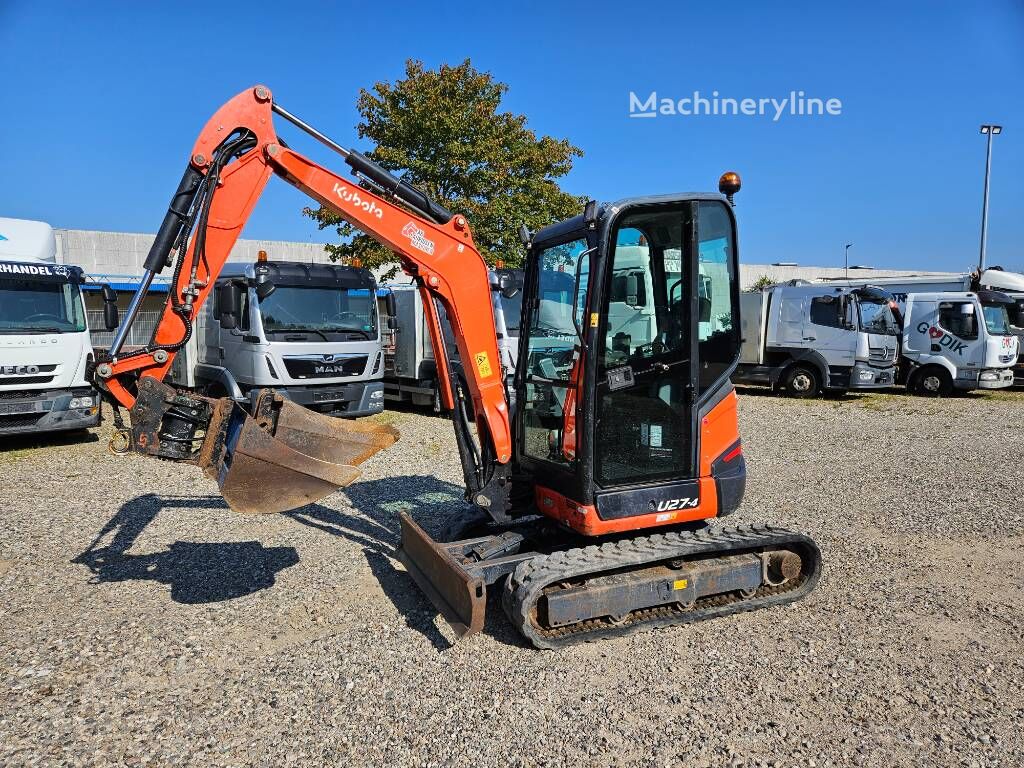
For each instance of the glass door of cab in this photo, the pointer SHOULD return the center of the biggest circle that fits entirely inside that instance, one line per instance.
(668, 334)
(551, 353)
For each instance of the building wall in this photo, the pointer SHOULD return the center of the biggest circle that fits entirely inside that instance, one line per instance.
(122, 253)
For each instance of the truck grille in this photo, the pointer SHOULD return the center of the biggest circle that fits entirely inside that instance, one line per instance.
(881, 353)
(18, 395)
(316, 367)
(26, 380)
(18, 420)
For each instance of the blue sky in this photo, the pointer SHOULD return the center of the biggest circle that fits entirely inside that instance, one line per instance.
(103, 101)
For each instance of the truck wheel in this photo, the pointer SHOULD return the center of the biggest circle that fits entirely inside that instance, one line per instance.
(933, 382)
(802, 381)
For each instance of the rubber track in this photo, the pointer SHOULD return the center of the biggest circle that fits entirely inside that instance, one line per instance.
(524, 588)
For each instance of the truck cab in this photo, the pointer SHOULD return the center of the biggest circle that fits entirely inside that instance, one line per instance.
(310, 331)
(804, 338)
(44, 337)
(958, 341)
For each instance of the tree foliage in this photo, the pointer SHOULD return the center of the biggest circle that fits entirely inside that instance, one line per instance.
(443, 129)
(761, 283)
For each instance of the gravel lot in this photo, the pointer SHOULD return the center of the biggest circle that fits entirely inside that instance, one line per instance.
(141, 622)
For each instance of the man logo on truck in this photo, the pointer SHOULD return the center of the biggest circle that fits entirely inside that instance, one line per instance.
(944, 339)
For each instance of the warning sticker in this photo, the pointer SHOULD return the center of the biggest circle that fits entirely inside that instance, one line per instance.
(594, 317)
(679, 584)
(483, 364)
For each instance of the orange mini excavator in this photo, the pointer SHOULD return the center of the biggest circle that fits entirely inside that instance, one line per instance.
(591, 499)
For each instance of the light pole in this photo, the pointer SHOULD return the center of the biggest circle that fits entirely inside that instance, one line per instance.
(846, 257)
(989, 130)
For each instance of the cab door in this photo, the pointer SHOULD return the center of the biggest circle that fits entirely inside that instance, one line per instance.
(644, 384)
(550, 365)
(668, 341)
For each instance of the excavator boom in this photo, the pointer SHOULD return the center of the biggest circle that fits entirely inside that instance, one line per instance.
(308, 455)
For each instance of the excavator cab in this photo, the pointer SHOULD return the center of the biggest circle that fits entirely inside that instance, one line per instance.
(625, 421)
(630, 330)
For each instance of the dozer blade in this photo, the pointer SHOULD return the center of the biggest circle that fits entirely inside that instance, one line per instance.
(286, 456)
(459, 596)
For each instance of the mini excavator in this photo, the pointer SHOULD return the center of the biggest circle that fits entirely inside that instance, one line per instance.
(592, 495)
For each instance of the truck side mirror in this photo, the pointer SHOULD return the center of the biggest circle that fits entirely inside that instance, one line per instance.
(111, 317)
(229, 303)
(507, 286)
(703, 309)
(632, 290)
(390, 305)
(264, 285)
(264, 289)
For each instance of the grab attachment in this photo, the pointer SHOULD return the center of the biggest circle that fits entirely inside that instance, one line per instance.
(277, 458)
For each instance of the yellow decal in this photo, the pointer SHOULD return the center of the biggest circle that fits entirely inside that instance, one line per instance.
(679, 584)
(483, 364)
(593, 319)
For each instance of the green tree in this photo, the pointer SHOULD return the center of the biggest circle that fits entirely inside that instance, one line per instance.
(762, 282)
(444, 130)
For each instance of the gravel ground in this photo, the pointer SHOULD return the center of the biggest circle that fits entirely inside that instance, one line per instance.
(141, 622)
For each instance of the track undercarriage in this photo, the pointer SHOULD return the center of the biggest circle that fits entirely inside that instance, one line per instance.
(566, 593)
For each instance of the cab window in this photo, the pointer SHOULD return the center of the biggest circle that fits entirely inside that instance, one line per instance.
(717, 294)
(959, 318)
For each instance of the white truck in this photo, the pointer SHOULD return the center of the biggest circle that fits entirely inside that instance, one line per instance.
(310, 331)
(44, 337)
(410, 373)
(804, 339)
(957, 340)
(994, 279)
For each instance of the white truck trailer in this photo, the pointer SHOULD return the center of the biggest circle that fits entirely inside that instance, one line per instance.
(804, 339)
(995, 279)
(410, 373)
(310, 331)
(44, 336)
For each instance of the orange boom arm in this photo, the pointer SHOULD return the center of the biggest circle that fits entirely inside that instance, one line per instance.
(235, 155)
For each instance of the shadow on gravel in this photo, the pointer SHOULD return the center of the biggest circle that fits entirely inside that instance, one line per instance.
(432, 502)
(196, 572)
(30, 442)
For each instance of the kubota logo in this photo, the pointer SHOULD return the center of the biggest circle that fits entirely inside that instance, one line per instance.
(351, 196)
(947, 341)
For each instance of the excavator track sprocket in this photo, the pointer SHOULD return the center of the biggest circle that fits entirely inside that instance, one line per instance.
(579, 579)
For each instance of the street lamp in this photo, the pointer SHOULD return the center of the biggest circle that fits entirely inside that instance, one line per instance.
(989, 130)
(846, 257)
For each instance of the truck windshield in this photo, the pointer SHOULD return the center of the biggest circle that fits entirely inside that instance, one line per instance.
(997, 320)
(321, 309)
(512, 308)
(36, 306)
(877, 317)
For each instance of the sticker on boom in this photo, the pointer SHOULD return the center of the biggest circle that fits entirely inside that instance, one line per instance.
(483, 364)
(418, 238)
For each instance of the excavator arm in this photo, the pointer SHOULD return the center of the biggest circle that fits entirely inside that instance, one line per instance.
(235, 155)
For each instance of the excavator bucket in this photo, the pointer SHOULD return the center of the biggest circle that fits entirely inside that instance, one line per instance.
(284, 456)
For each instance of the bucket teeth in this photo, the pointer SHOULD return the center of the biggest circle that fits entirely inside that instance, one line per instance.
(286, 456)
